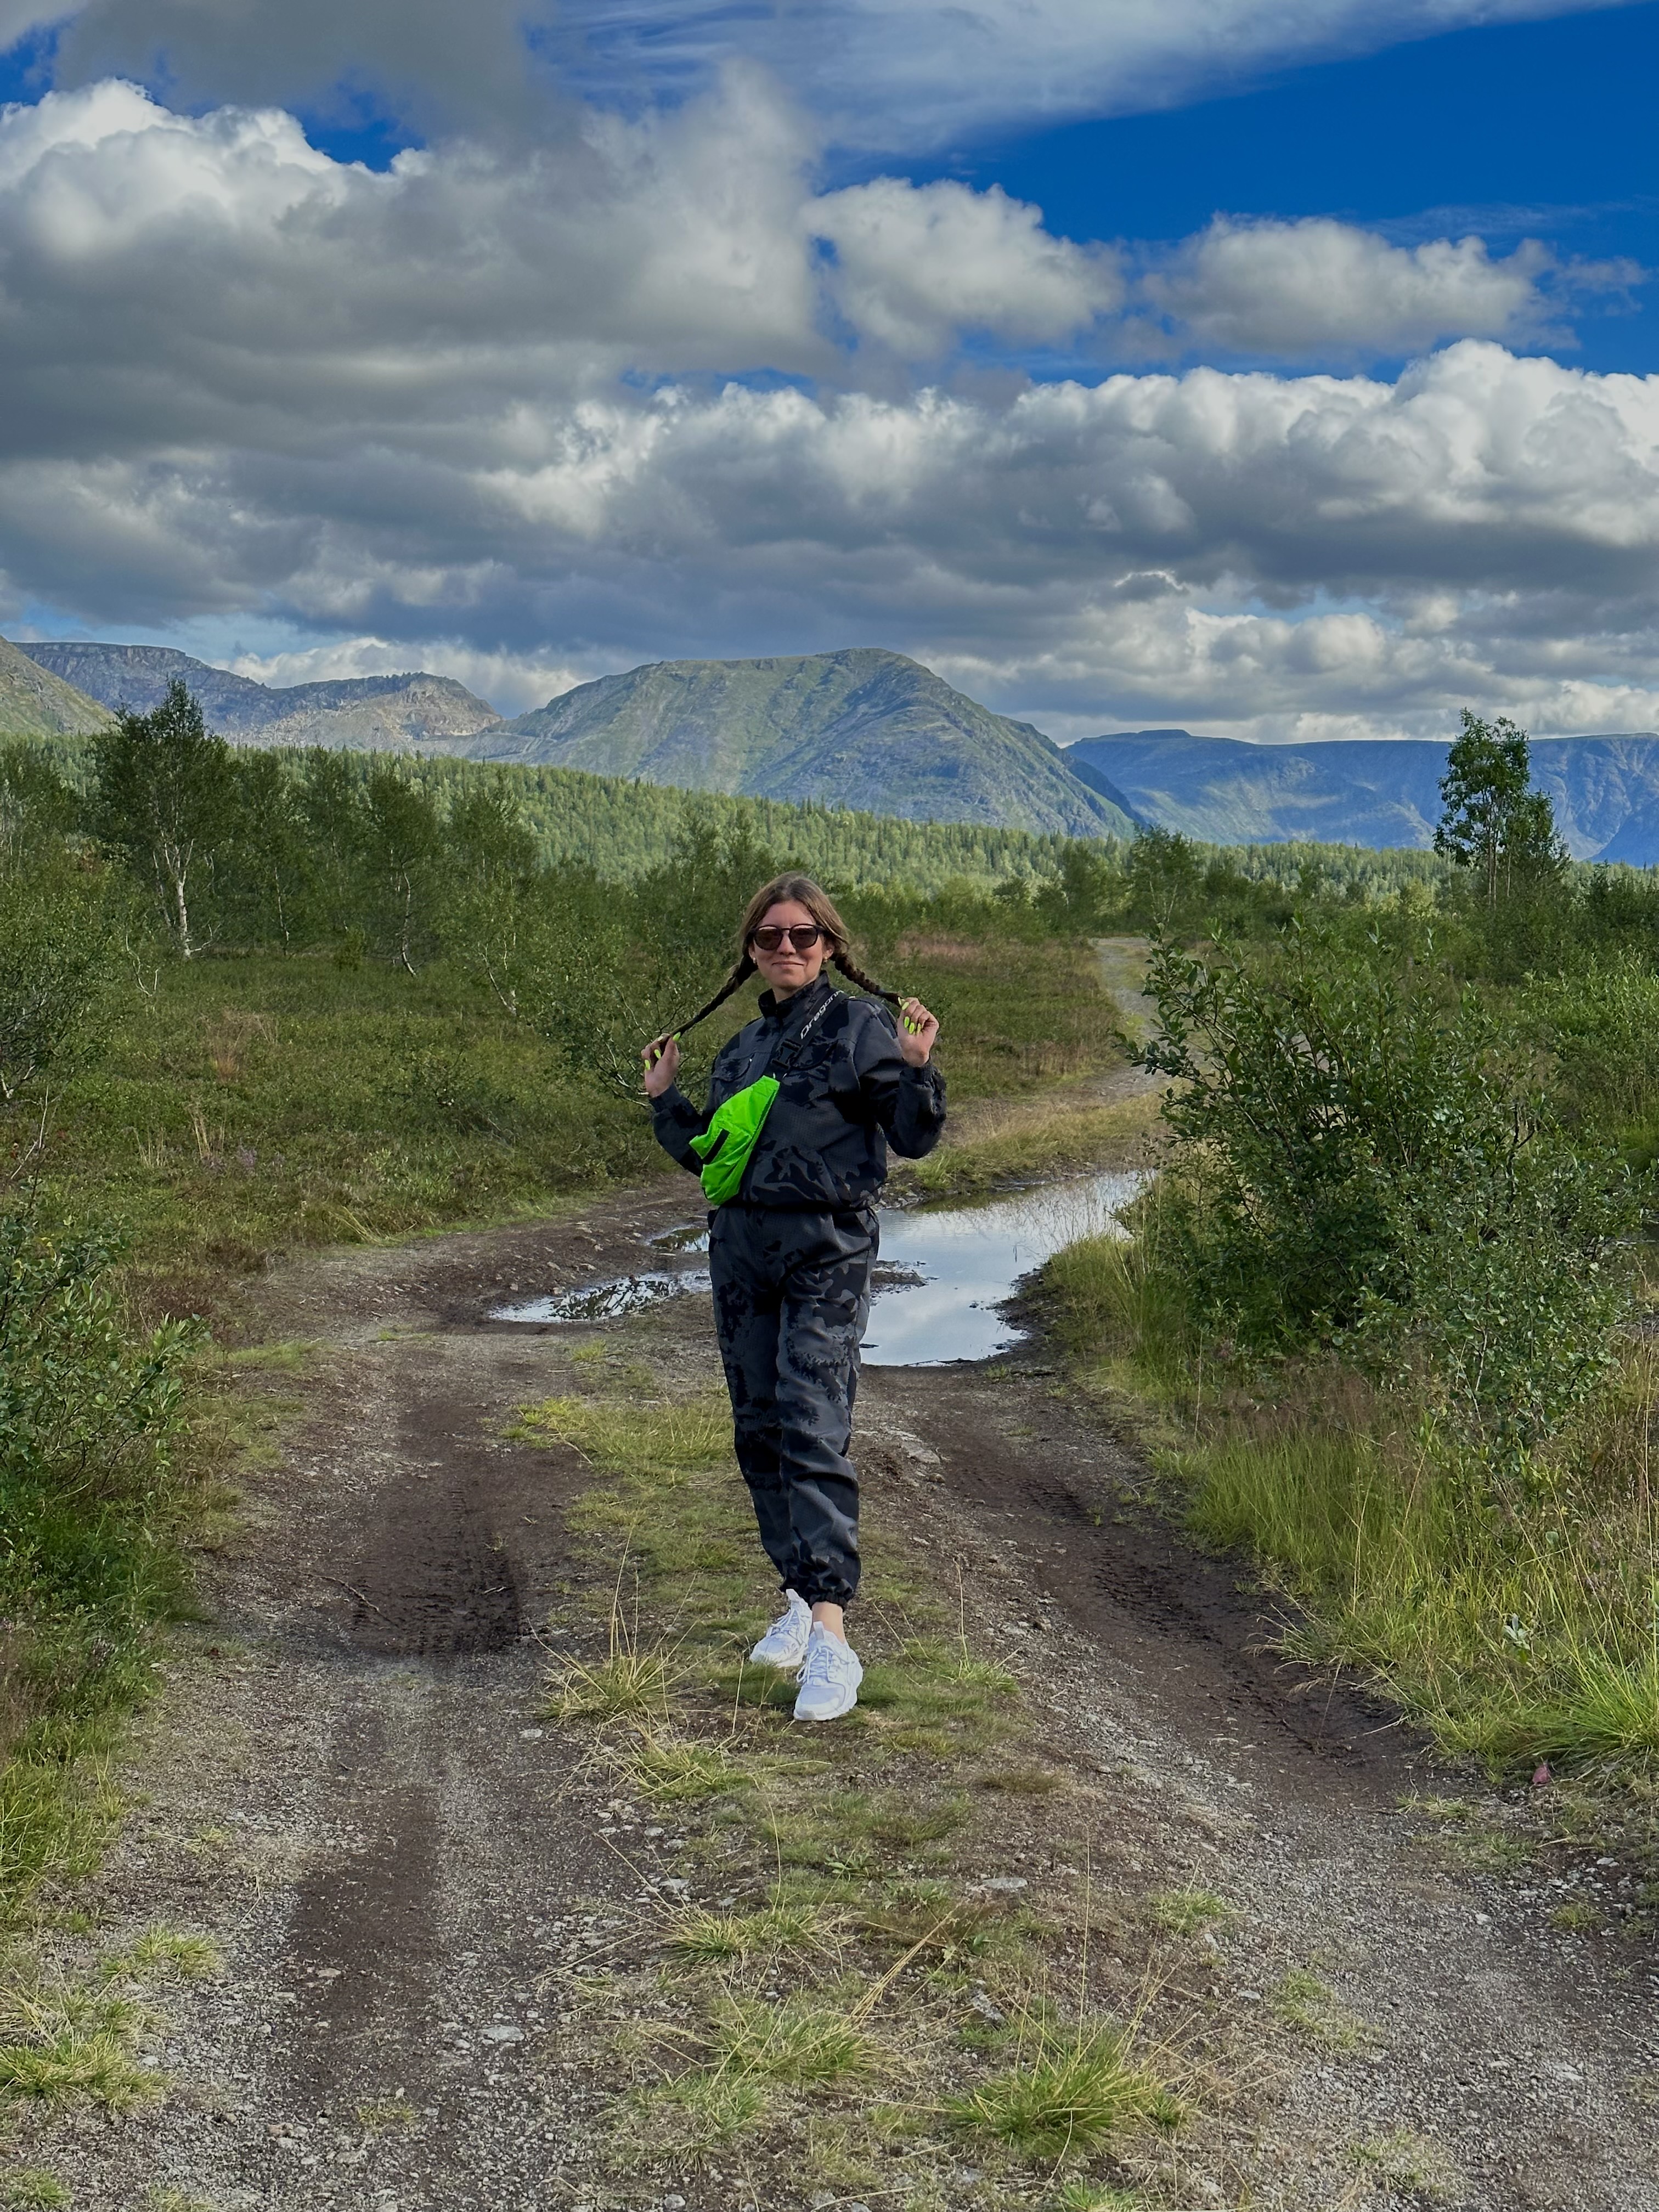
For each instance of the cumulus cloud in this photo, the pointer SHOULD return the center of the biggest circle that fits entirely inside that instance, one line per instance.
(914, 267)
(1321, 289)
(889, 74)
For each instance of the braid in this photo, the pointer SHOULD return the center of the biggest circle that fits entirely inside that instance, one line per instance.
(840, 958)
(740, 973)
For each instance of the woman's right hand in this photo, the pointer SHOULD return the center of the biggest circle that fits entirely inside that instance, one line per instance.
(662, 1064)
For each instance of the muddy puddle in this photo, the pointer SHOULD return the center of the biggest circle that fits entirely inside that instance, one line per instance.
(943, 1274)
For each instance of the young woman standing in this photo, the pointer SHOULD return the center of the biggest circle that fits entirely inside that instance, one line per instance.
(803, 1104)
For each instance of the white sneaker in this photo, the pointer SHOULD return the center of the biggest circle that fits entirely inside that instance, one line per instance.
(784, 1643)
(829, 1679)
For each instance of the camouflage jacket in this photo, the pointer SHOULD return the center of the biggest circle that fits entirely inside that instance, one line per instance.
(844, 1095)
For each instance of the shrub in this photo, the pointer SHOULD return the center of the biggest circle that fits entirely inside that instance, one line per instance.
(1600, 1023)
(1361, 1157)
(90, 1418)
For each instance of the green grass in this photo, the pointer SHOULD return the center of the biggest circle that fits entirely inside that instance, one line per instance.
(1403, 2159)
(796, 2042)
(830, 1991)
(678, 1770)
(265, 1104)
(1069, 2094)
(1188, 1911)
(1303, 2001)
(628, 1685)
(1036, 1140)
(1515, 1640)
(722, 1938)
(33, 2186)
(1513, 1635)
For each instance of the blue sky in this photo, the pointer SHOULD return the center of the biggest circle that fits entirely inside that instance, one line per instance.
(1261, 365)
(1544, 130)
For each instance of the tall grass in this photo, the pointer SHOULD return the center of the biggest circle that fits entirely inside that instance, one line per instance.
(1515, 1631)
(1517, 1635)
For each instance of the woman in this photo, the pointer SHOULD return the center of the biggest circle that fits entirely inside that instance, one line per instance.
(802, 1106)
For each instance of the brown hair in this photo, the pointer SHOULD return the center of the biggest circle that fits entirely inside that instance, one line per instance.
(797, 890)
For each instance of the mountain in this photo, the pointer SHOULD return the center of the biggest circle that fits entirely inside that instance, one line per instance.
(36, 703)
(861, 728)
(1371, 791)
(369, 713)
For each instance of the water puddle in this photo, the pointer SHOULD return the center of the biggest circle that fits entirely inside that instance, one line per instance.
(963, 1261)
(944, 1271)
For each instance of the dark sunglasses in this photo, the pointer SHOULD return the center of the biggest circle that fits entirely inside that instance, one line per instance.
(803, 936)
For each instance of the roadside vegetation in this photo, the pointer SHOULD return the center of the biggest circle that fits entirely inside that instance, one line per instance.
(1385, 1310)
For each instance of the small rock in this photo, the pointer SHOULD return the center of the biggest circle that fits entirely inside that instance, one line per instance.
(820, 2197)
(1005, 1881)
(501, 2032)
(531, 1735)
(675, 1887)
(983, 2004)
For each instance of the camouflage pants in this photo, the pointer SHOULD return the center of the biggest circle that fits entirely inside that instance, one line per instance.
(792, 1294)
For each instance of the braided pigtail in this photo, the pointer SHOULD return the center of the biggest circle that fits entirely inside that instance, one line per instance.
(842, 958)
(742, 970)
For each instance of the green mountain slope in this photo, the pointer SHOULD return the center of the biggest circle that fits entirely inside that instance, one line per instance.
(35, 703)
(862, 728)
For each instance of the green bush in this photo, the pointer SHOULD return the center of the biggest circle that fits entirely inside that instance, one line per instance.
(56, 970)
(91, 1495)
(1359, 1157)
(1600, 1023)
(89, 1417)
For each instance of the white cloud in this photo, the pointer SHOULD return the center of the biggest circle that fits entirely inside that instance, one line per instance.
(1290, 290)
(915, 266)
(511, 683)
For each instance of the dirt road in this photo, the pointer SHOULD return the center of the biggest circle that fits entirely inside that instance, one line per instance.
(351, 1786)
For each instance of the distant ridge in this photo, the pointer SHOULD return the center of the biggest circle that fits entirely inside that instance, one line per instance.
(370, 713)
(34, 702)
(1370, 791)
(861, 728)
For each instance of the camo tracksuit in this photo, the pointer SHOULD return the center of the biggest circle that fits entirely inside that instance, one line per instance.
(790, 1257)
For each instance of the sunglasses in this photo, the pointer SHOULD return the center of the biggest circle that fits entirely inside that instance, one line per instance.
(769, 938)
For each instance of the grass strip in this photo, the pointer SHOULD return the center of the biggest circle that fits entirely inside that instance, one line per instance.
(827, 1987)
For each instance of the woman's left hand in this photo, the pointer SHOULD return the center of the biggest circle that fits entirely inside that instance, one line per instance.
(917, 1028)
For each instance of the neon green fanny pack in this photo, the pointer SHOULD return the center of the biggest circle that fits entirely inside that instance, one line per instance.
(728, 1144)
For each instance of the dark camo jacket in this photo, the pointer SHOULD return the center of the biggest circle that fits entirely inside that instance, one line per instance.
(844, 1095)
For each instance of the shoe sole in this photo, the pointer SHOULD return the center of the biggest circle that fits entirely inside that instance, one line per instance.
(840, 1713)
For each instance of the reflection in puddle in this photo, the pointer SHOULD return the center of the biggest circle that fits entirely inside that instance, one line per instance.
(970, 1258)
(689, 1236)
(611, 1301)
(942, 1274)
